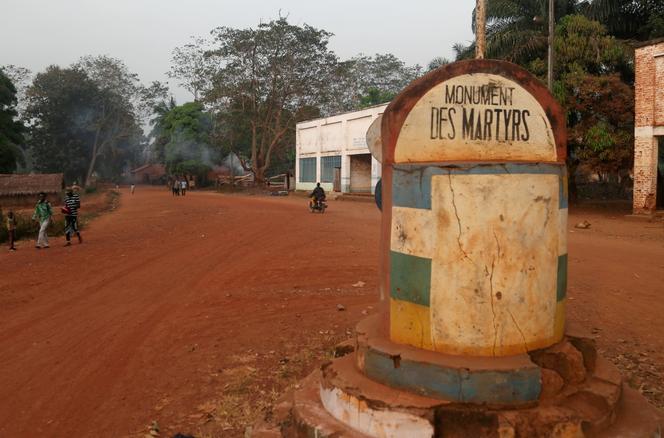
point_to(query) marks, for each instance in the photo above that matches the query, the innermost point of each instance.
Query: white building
(334, 152)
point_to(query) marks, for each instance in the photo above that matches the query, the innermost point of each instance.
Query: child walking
(42, 214)
(11, 230)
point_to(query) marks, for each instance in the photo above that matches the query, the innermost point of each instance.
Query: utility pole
(552, 19)
(480, 29)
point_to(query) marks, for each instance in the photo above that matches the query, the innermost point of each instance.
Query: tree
(21, 78)
(591, 68)
(87, 118)
(62, 108)
(11, 130)
(268, 78)
(628, 19)
(516, 29)
(370, 80)
(192, 66)
(186, 130)
(157, 134)
(437, 62)
(123, 104)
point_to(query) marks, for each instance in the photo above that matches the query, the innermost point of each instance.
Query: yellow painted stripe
(559, 321)
(410, 324)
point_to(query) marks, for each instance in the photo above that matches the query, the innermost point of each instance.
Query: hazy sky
(37, 33)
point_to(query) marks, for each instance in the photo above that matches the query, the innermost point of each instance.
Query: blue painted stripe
(563, 194)
(561, 282)
(455, 384)
(410, 278)
(411, 186)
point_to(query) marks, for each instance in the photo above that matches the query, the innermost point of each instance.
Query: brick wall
(649, 120)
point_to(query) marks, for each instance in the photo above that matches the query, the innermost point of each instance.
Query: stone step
(308, 417)
(497, 381)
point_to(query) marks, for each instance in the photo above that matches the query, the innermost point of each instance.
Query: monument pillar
(471, 340)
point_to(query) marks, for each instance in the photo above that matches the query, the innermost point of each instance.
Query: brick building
(649, 127)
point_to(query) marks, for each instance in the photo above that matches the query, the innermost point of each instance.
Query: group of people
(179, 187)
(43, 214)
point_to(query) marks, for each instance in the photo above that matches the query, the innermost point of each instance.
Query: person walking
(11, 230)
(72, 204)
(176, 187)
(183, 186)
(42, 215)
(133, 187)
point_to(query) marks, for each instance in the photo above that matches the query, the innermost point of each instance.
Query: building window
(327, 165)
(308, 169)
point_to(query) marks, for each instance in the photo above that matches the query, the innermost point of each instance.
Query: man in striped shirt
(72, 204)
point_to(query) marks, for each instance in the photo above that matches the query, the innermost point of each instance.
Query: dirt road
(198, 311)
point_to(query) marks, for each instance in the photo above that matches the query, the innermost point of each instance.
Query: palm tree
(160, 110)
(627, 19)
(516, 29)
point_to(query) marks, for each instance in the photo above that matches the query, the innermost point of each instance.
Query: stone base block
(581, 395)
(500, 381)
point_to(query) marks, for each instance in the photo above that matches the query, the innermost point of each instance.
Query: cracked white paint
(411, 232)
(494, 241)
(375, 423)
(493, 287)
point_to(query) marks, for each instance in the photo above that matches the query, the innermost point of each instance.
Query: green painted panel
(410, 278)
(562, 278)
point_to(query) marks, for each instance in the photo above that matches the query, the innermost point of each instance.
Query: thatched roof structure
(31, 184)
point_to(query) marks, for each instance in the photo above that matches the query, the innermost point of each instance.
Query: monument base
(578, 394)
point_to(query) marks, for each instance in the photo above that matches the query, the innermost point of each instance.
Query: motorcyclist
(318, 195)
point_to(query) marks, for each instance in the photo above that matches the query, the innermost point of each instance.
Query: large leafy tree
(122, 104)
(11, 130)
(158, 134)
(87, 119)
(62, 108)
(369, 80)
(268, 78)
(192, 67)
(591, 85)
(628, 19)
(187, 129)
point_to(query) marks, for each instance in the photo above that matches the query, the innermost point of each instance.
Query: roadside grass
(254, 388)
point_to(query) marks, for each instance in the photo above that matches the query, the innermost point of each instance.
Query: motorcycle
(318, 205)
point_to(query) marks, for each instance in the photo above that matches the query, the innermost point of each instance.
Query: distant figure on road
(72, 204)
(133, 187)
(176, 187)
(318, 195)
(42, 214)
(184, 187)
(11, 230)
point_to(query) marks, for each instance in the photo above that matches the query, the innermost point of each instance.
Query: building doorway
(360, 173)
(660, 174)
(336, 184)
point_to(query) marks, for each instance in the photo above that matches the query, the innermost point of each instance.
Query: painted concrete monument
(471, 340)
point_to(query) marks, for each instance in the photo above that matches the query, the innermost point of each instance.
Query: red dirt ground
(198, 311)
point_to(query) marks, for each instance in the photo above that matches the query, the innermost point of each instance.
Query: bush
(91, 189)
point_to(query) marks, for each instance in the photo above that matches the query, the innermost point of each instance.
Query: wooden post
(552, 19)
(480, 29)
